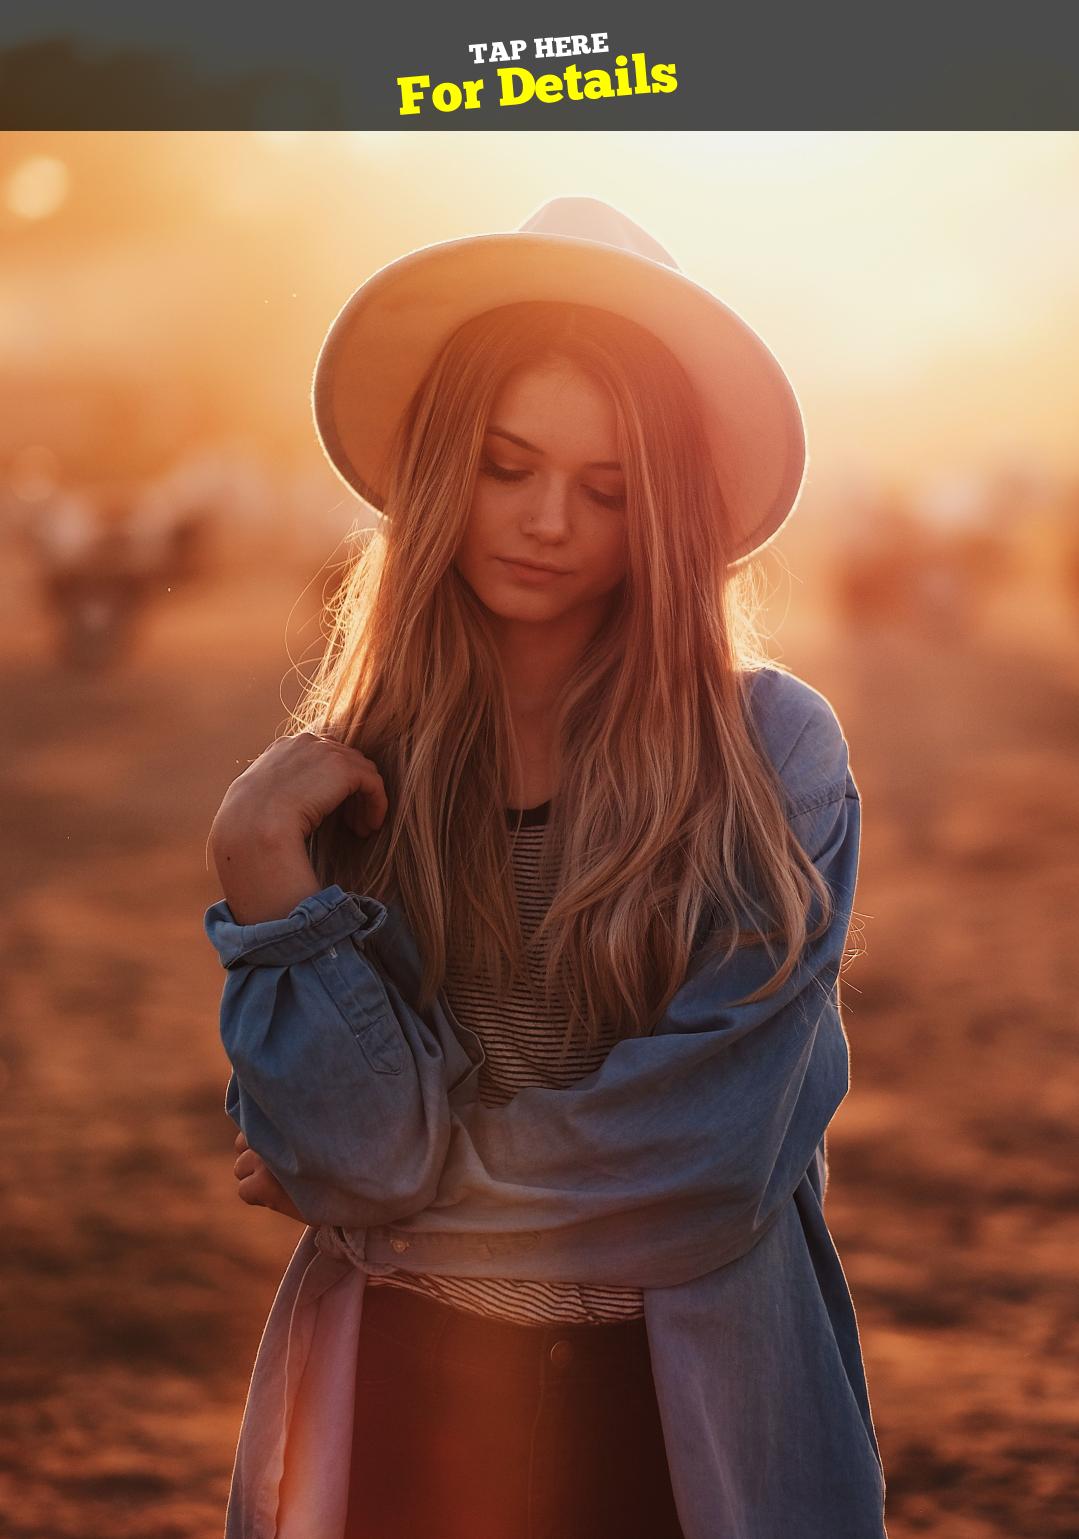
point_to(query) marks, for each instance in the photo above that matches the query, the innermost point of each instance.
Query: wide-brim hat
(583, 250)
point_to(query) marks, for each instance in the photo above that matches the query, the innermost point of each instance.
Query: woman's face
(549, 490)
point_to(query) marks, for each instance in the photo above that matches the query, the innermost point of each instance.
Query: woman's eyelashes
(501, 473)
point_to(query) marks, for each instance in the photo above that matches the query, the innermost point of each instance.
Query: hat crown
(586, 218)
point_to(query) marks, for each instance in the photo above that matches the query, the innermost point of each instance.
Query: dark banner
(548, 67)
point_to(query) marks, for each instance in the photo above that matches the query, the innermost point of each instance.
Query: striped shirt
(523, 1046)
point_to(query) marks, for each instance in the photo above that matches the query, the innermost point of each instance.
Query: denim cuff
(313, 927)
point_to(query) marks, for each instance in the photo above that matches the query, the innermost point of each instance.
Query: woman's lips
(530, 574)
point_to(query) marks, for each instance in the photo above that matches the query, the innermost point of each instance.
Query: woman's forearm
(264, 872)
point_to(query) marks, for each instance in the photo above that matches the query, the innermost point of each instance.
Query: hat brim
(388, 333)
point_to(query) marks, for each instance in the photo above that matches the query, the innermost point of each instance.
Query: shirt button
(399, 1245)
(561, 1353)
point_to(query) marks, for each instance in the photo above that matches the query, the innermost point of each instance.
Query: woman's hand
(257, 1186)
(258, 838)
(295, 784)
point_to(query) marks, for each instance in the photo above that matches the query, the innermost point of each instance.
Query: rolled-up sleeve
(312, 927)
(319, 1040)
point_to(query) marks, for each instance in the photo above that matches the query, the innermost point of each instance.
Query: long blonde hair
(668, 822)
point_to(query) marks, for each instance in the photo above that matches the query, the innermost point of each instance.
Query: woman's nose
(549, 510)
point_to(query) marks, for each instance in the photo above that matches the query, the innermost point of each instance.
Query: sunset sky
(918, 287)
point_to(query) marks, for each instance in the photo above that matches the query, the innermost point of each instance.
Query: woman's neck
(535, 745)
(537, 662)
(539, 659)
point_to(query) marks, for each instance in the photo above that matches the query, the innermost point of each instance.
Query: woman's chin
(518, 605)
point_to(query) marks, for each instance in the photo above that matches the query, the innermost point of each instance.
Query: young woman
(533, 930)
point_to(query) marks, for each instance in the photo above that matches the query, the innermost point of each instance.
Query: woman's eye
(488, 467)
(500, 473)
(608, 499)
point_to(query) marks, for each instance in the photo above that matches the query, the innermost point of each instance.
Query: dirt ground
(137, 1284)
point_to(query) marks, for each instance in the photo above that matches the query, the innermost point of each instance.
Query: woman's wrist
(263, 868)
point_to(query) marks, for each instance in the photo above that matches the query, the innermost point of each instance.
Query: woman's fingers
(259, 1190)
(247, 1164)
(363, 814)
(365, 810)
(297, 782)
(366, 807)
(257, 1185)
(262, 1190)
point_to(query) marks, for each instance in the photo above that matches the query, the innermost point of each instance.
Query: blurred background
(169, 532)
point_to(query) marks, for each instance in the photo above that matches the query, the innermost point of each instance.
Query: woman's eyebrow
(524, 444)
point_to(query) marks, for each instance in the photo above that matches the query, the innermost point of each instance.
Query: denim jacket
(691, 1164)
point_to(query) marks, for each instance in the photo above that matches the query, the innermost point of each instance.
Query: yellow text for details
(519, 85)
